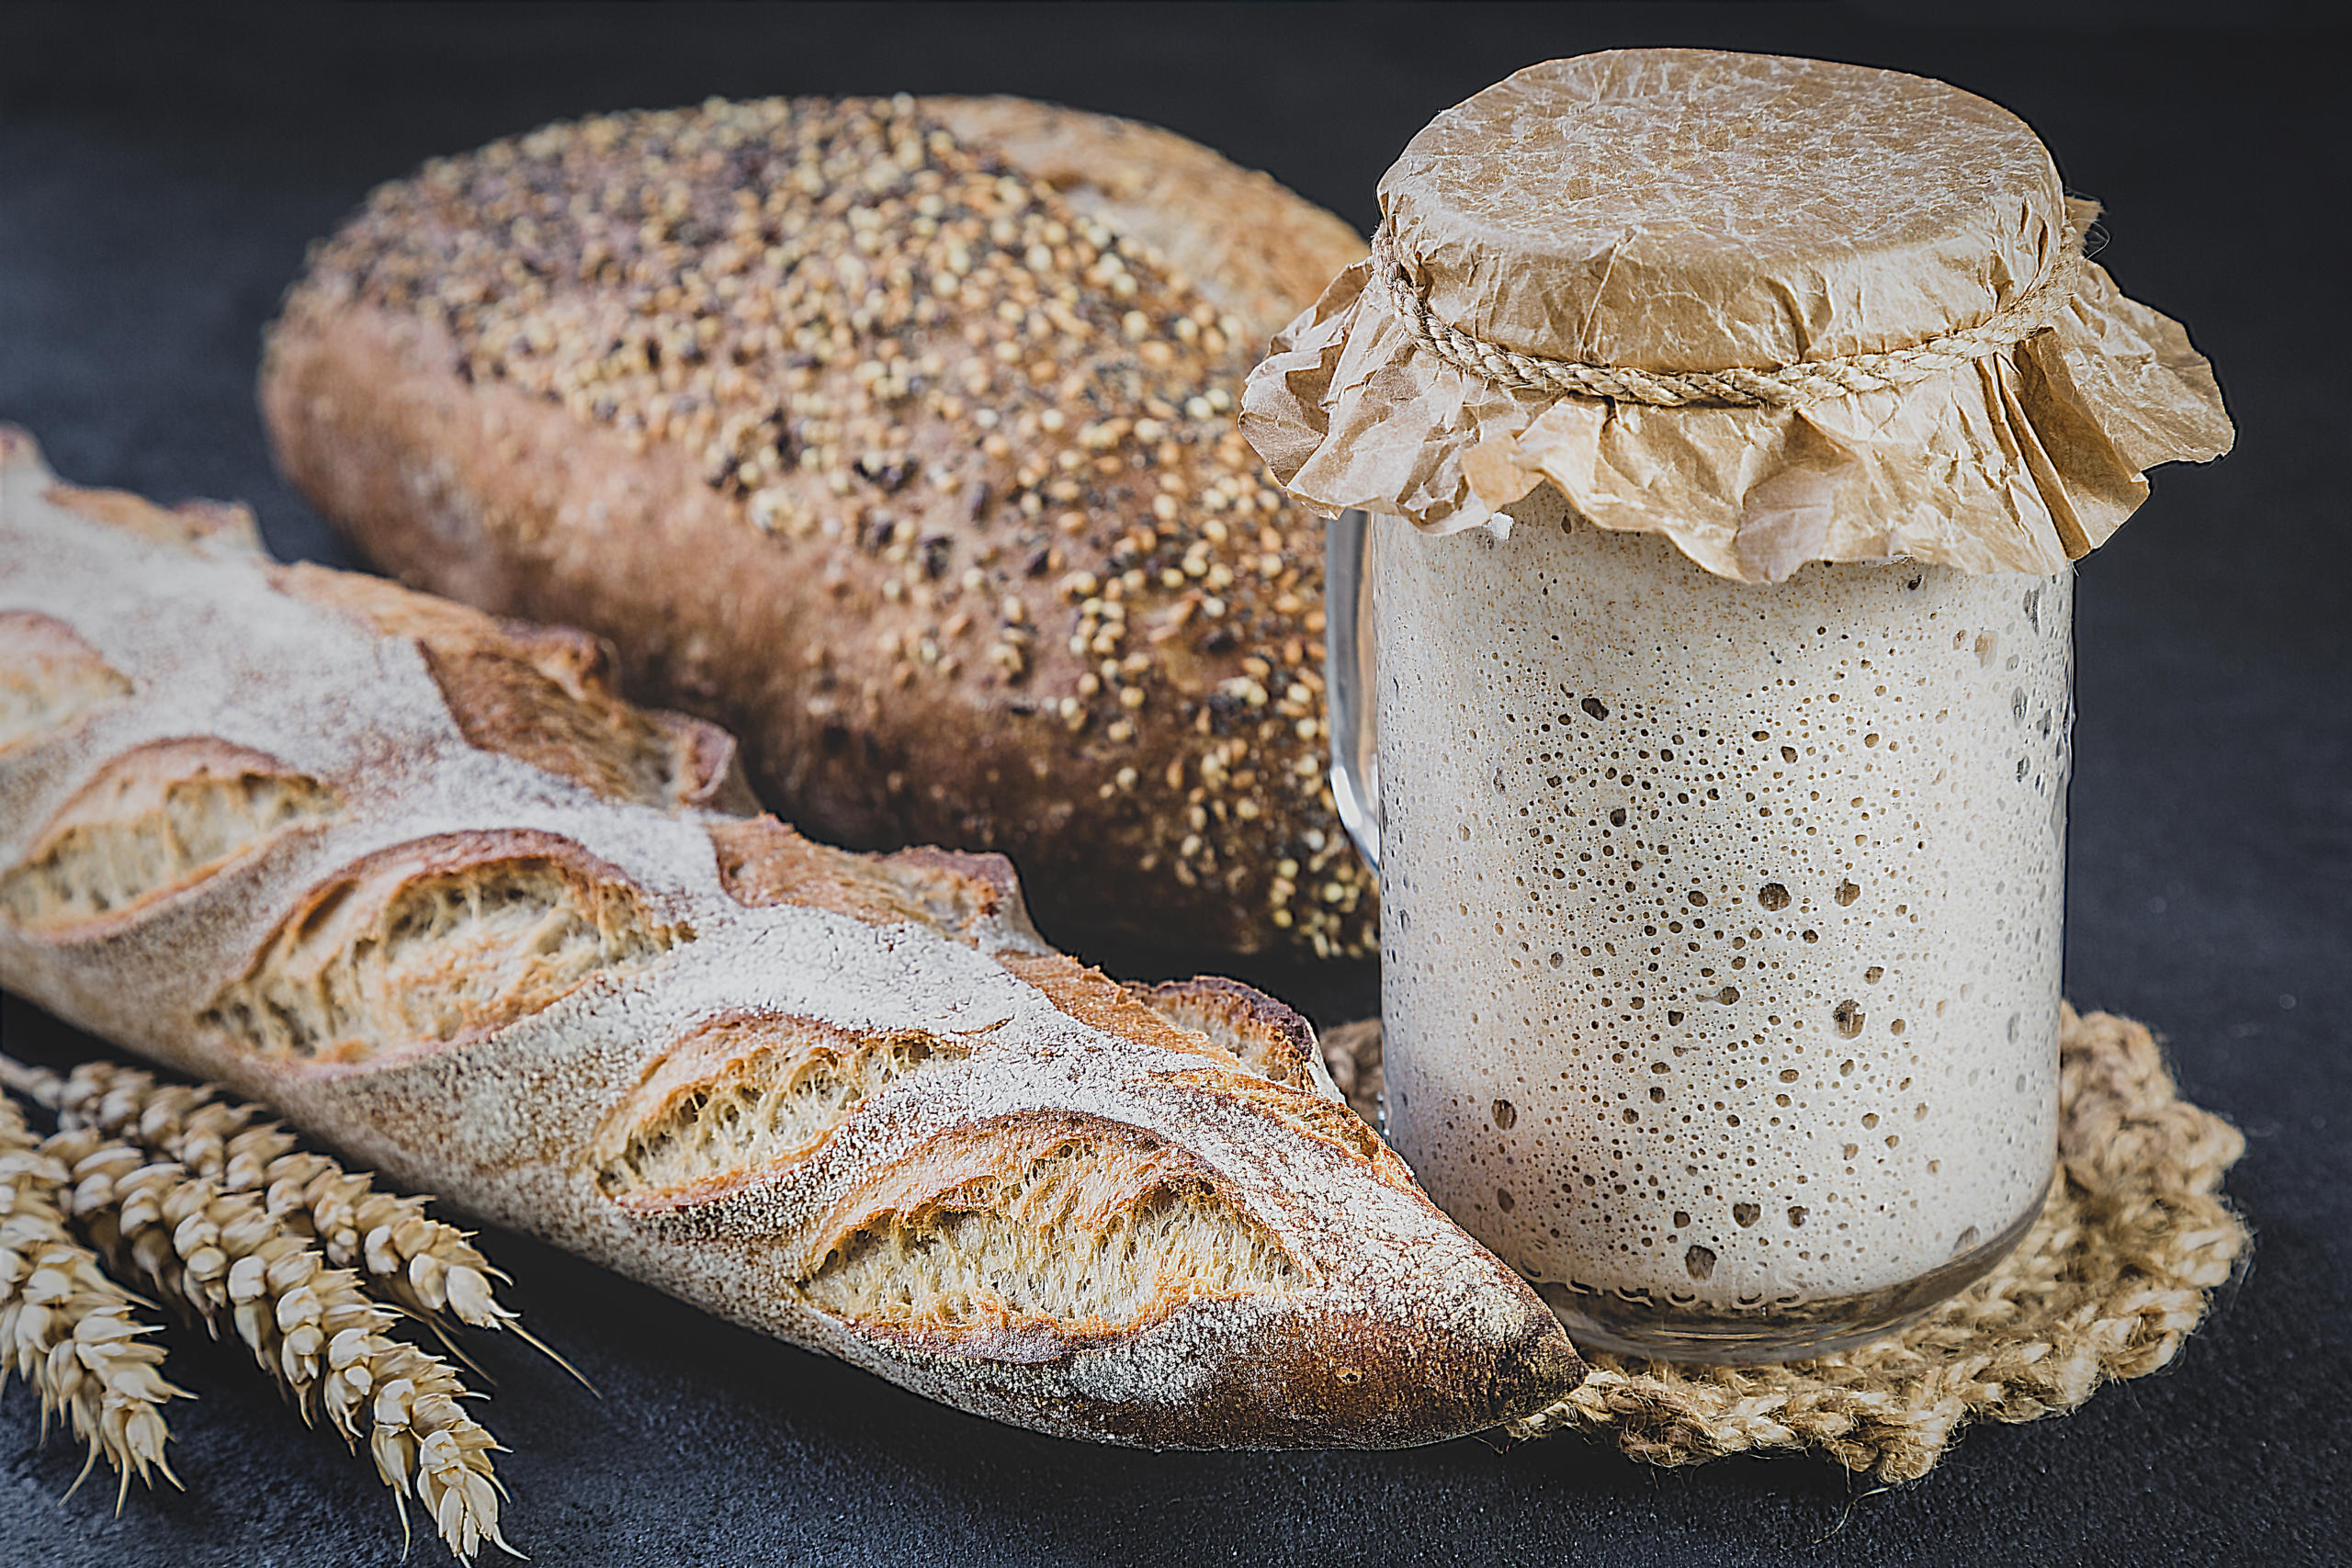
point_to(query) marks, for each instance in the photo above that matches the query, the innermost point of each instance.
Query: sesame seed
(811, 284)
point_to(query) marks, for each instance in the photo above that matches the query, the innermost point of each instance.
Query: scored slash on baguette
(419, 880)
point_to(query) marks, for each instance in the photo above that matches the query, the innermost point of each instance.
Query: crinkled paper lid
(1681, 219)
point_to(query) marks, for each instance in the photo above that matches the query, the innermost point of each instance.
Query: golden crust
(764, 862)
(182, 525)
(1267, 1037)
(543, 696)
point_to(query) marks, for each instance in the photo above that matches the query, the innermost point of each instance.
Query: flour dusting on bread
(157, 819)
(853, 1101)
(745, 1096)
(49, 677)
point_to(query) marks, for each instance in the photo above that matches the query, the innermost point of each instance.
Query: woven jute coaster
(2118, 1269)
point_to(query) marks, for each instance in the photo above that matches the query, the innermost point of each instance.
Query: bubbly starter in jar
(1757, 893)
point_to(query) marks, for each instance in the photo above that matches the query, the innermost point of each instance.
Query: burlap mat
(2108, 1285)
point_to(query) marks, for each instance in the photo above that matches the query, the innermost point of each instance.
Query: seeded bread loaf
(418, 879)
(900, 437)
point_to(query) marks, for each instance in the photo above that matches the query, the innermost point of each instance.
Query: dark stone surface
(159, 177)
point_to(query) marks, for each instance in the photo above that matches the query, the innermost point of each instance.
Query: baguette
(419, 880)
(893, 436)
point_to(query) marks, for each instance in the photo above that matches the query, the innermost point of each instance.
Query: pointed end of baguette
(1494, 1359)
(1536, 1370)
(1402, 1374)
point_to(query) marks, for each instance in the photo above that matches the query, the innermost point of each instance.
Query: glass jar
(1701, 687)
(1721, 921)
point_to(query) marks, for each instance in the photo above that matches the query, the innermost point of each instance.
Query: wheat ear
(67, 1329)
(227, 1260)
(420, 1263)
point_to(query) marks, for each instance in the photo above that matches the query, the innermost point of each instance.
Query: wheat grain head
(422, 1264)
(222, 1257)
(67, 1329)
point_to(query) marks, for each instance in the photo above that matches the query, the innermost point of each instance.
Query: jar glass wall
(1721, 921)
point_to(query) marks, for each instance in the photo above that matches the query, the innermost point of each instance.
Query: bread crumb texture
(155, 821)
(745, 1096)
(49, 677)
(434, 941)
(1047, 1228)
(911, 365)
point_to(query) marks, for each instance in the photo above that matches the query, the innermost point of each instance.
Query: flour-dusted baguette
(418, 879)
(900, 437)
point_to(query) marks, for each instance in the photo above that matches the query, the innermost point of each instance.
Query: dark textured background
(159, 177)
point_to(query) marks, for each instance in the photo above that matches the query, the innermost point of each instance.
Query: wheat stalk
(422, 1264)
(67, 1329)
(227, 1260)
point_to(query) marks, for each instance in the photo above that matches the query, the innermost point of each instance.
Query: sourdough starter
(1723, 920)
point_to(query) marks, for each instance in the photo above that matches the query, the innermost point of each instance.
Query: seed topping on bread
(882, 344)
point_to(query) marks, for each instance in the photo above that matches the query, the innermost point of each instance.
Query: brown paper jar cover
(1680, 210)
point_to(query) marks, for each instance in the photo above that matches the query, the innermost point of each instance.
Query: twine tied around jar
(1922, 362)
(2133, 1241)
(1806, 381)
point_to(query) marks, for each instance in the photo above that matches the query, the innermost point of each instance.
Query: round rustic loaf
(897, 435)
